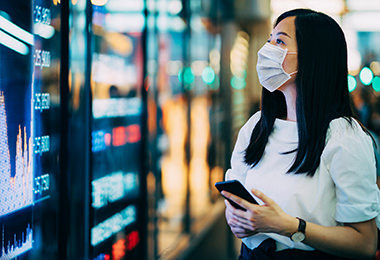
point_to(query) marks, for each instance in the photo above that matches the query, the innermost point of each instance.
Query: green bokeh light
(215, 85)
(351, 83)
(366, 76)
(208, 75)
(238, 83)
(187, 75)
(376, 84)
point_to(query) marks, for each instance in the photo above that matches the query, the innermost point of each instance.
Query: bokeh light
(99, 2)
(238, 83)
(351, 83)
(187, 75)
(208, 75)
(376, 84)
(375, 67)
(366, 76)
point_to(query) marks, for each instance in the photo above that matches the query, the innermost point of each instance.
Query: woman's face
(284, 36)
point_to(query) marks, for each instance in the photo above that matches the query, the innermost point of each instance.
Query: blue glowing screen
(28, 164)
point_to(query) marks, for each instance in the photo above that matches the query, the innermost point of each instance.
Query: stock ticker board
(115, 185)
(116, 138)
(116, 145)
(30, 52)
(26, 159)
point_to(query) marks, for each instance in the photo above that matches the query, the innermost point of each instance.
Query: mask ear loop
(292, 52)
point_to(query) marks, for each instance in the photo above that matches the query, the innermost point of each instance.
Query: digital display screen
(31, 204)
(16, 161)
(117, 63)
(29, 140)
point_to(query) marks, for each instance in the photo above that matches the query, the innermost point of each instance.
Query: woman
(307, 161)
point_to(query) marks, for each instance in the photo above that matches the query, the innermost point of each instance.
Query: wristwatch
(299, 236)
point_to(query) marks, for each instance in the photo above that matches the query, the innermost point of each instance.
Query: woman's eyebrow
(283, 33)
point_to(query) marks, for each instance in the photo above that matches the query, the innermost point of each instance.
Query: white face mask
(269, 66)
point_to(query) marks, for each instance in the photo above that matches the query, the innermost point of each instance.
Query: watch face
(298, 237)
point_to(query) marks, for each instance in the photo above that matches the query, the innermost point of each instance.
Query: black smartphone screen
(236, 188)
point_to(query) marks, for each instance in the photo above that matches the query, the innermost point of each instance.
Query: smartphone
(236, 188)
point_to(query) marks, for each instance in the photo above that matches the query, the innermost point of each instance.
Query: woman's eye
(278, 41)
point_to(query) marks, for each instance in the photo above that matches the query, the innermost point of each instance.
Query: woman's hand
(238, 231)
(266, 218)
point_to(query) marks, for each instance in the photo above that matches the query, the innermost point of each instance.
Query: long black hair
(322, 91)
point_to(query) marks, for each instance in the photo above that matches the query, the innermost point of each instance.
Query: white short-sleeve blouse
(342, 190)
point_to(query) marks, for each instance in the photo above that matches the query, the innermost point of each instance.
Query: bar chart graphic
(10, 250)
(16, 189)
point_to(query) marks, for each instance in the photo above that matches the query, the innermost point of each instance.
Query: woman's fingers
(262, 218)
(262, 196)
(246, 226)
(244, 234)
(229, 207)
(234, 223)
(244, 220)
(248, 214)
(241, 231)
(236, 229)
(239, 219)
(241, 223)
(241, 202)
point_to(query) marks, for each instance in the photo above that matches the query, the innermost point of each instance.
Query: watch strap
(301, 225)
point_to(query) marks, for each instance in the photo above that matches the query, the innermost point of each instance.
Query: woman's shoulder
(251, 123)
(345, 127)
(347, 133)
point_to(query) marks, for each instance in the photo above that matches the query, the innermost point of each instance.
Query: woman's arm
(354, 240)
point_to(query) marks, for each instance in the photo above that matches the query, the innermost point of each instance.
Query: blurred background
(118, 116)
